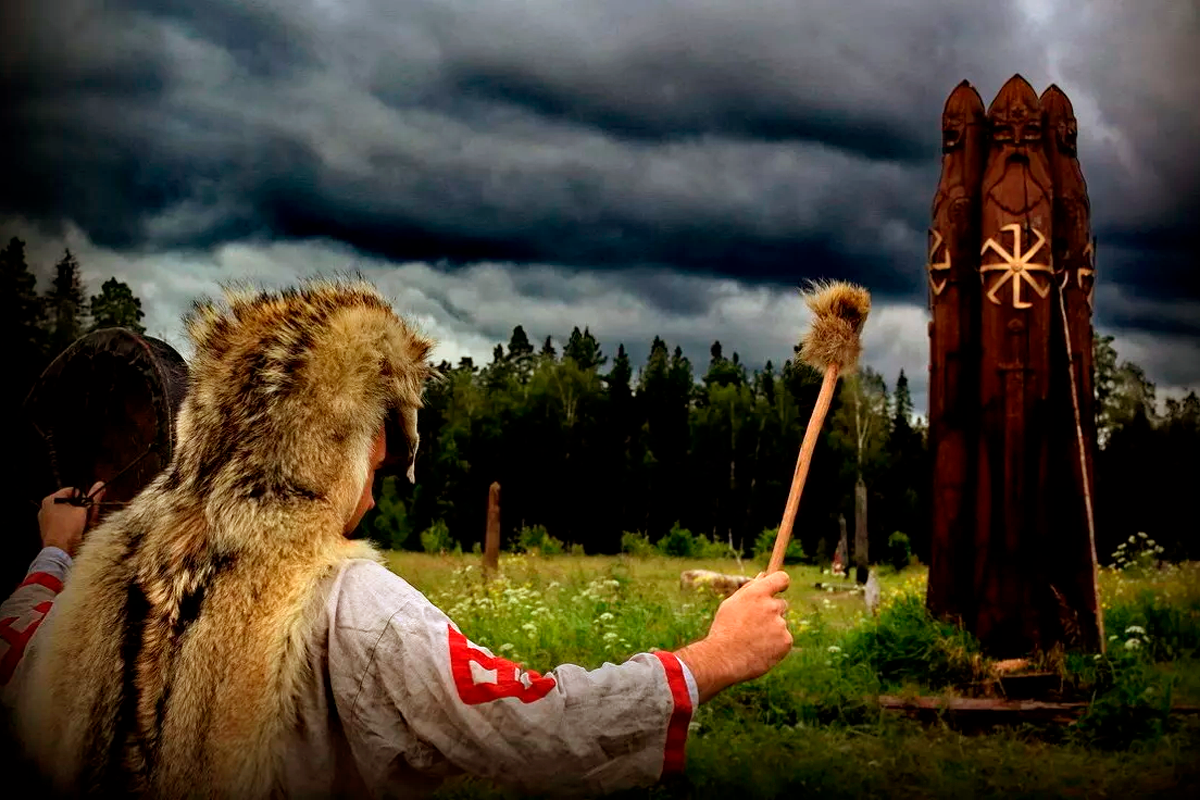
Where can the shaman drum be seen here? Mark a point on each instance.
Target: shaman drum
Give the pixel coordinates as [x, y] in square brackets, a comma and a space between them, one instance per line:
[104, 410]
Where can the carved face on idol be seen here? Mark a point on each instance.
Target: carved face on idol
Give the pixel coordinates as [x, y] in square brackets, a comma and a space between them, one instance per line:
[963, 108]
[1017, 127]
[1067, 132]
[953, 128]
[1060, 120]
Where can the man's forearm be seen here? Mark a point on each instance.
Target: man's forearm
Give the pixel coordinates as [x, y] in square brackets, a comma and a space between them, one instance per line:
[710, 668]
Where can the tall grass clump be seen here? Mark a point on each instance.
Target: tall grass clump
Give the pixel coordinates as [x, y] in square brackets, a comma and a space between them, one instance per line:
[1131, 700]
[905, 644]
[636, 544]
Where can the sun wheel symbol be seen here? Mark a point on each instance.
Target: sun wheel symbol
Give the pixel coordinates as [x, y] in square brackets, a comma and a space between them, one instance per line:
[937, 266]
[1016, 267]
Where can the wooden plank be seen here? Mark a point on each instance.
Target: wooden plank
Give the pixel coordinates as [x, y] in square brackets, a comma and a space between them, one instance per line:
[993, 711]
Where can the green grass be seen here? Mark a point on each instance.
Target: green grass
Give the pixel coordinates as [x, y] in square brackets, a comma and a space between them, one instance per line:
[812, 725]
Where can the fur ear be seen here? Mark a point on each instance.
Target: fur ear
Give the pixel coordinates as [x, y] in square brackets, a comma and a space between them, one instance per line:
[288, 389]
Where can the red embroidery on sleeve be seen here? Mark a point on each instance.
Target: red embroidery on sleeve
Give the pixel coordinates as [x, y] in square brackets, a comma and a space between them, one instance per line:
[677, 727]
[43, 579]
[17, 639]
[497, 677]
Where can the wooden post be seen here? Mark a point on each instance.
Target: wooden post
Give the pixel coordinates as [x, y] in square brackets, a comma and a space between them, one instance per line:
[861, 562]
[842, 554]
[491, 550]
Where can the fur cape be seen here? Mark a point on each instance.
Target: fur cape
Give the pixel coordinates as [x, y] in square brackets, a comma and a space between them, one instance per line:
[172, 659]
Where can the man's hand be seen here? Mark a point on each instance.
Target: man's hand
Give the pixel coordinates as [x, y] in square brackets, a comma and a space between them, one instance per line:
[748, 636]
[62, 524]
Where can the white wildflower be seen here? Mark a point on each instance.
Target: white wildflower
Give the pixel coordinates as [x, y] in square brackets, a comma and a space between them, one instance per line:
[611, 636]
[1133, 644]
[605, 617]
[1135, 629]
[833, 648]
[504, 648]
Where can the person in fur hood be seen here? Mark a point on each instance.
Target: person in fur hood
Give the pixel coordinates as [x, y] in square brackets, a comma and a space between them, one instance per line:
[222, 637]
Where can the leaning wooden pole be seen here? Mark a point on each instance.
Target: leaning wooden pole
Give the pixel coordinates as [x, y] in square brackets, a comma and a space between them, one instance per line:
[833, 345]
[1074, 252]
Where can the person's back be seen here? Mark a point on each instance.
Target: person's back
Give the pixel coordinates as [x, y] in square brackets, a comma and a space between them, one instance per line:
[221, 636]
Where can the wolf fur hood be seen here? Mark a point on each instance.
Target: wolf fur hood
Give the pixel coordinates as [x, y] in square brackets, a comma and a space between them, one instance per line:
[171, 661]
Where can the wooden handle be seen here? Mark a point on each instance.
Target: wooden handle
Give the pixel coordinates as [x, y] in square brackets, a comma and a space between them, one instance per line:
[802, 463]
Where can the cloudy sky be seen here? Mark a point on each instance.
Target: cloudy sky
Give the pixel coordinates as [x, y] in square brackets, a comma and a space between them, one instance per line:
[645, 168]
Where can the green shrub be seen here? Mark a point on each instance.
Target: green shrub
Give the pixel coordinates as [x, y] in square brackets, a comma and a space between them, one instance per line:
[536, 539]
[821, 557]
[1171, 627]
[436, 539]
[636, 544]
[899, 551]
[906, 643]
[764, 545]
[1131, 700]
[576, 550]
[708, 548]
[389, 525]
[678, 542]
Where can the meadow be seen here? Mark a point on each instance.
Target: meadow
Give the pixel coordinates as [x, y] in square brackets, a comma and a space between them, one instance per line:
[813, 725]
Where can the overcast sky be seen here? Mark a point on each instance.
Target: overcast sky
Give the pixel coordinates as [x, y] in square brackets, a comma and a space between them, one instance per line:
[644, 168]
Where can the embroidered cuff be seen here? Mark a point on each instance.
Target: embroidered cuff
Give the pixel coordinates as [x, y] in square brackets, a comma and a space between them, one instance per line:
[677, 727]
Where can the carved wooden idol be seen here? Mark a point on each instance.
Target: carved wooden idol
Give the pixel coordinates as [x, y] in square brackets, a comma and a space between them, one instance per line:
[1012, 556]
[1017, 270]
[954, 345]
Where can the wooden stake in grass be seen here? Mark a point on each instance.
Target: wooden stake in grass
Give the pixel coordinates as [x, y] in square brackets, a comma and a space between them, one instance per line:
[832, 345]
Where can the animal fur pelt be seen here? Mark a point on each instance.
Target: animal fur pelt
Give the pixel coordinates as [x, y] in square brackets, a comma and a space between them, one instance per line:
[172, 659]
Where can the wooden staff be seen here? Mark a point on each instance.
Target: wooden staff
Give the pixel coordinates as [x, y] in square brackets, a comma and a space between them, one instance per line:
[832, 344]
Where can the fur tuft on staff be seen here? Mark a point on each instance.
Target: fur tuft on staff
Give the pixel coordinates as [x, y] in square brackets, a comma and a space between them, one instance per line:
[833, 345]
[839, 313]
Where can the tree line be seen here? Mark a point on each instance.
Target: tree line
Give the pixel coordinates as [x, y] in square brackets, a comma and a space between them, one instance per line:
[591, 447]
[39, 326]
[592, 450]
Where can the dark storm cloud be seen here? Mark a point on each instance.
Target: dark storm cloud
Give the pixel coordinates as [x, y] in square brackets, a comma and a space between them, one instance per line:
[762, 141]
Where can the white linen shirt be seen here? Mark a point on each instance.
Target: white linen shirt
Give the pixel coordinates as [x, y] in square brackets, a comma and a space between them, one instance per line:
[398, 699]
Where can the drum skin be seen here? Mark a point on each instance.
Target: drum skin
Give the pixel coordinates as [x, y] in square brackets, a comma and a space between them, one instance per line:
[104, 410]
